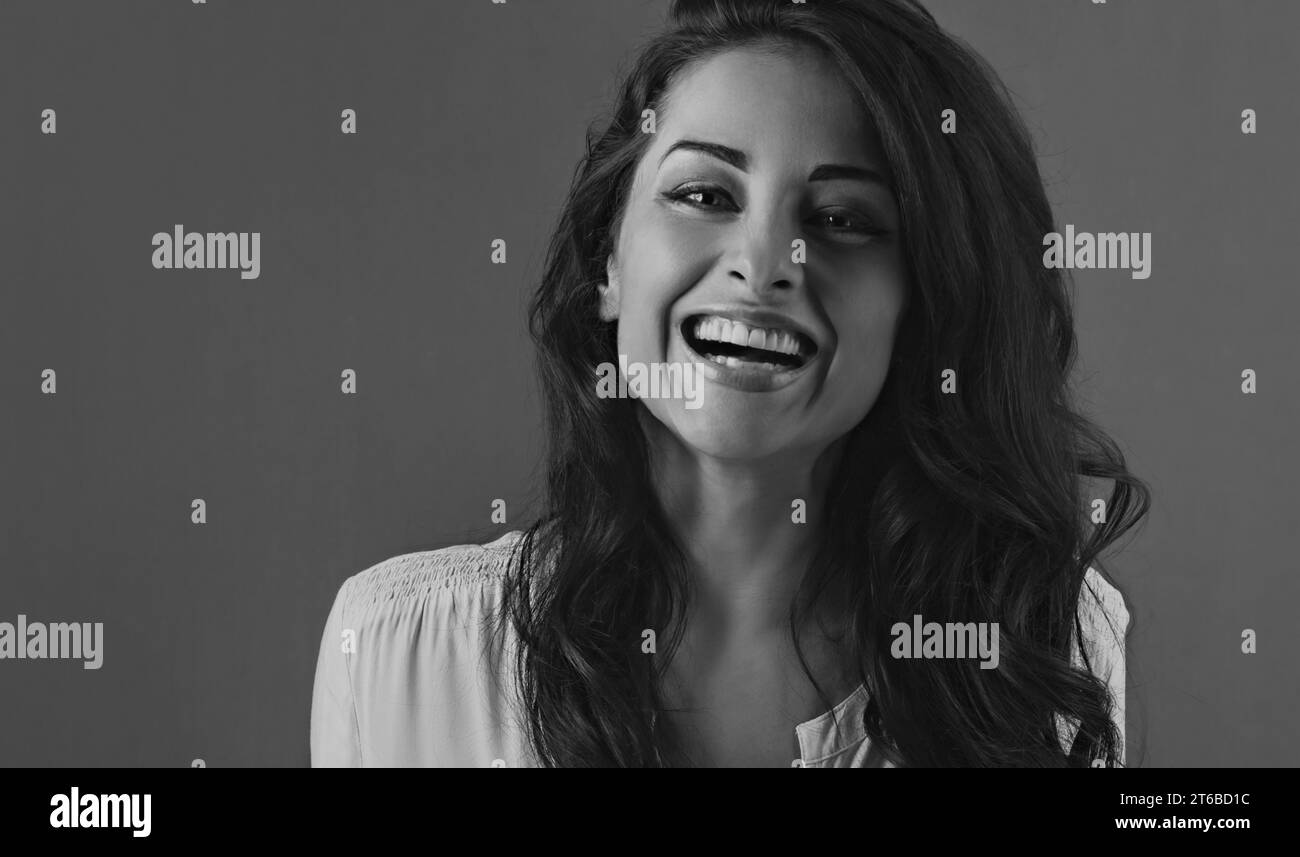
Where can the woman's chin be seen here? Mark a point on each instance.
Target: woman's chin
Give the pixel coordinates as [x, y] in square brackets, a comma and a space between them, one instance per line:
[706, 431]
[742, 444]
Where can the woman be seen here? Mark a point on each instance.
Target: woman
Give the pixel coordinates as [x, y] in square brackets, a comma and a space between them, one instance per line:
[883, 437]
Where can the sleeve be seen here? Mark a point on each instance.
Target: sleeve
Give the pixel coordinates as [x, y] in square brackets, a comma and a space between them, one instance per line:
[1105, 620]
[335, 737]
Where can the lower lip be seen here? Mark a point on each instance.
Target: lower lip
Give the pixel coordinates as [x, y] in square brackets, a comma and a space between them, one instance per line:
[749, 377]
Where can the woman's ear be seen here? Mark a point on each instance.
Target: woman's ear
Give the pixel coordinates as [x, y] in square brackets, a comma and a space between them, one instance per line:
[609, 292]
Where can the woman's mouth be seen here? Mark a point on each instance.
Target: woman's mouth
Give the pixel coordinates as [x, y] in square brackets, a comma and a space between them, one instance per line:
[739, 345]
[745, 355]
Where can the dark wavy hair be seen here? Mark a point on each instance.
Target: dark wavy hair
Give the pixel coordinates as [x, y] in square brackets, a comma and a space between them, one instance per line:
[965, 505]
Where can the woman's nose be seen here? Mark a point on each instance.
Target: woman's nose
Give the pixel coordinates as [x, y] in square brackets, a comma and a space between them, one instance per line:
[765, 256]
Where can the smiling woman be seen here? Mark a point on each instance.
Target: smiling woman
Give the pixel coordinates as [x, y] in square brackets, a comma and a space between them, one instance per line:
[799, 226]
[757, 147]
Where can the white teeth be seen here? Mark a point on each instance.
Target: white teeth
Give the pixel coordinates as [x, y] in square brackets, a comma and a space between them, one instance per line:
[736, 362]
[717, 329]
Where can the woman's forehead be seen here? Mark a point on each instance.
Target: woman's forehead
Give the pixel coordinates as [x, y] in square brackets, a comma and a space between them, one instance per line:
[755, 99]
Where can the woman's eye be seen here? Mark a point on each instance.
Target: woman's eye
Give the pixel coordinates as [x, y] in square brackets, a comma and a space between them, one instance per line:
[700, 196]
[846, 222]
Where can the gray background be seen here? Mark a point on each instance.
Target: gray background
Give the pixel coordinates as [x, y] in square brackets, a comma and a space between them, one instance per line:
[375, 256]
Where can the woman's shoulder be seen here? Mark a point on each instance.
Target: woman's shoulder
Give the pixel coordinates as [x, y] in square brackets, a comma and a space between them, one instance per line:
[1102, 612]
[399, 674]
[1104, 620]
[392, 584]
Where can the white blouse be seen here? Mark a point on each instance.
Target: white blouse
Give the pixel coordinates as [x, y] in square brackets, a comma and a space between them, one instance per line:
[401, 679]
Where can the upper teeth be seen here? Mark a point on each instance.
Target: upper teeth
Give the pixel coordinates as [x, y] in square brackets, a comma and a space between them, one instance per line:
[713, 328]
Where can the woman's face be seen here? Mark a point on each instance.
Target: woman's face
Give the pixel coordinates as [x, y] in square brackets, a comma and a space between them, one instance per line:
[753, 152]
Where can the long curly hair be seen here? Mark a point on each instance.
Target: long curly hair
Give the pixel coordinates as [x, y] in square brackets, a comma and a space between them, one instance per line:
[960, 505]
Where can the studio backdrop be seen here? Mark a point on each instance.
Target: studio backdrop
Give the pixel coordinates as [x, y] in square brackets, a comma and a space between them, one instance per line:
[194, 457]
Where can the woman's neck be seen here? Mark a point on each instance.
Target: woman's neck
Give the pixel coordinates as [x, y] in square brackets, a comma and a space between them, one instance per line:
[747, 544]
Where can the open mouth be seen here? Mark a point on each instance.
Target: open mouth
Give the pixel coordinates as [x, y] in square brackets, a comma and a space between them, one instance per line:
[736, 344]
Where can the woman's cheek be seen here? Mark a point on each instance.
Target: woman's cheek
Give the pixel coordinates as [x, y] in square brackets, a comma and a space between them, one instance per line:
[691, 234]
[667, 260]
[864, 308]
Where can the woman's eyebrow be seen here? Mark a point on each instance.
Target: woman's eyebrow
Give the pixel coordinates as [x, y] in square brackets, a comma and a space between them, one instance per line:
[735, 157]
[830, 172]
[739, 160]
